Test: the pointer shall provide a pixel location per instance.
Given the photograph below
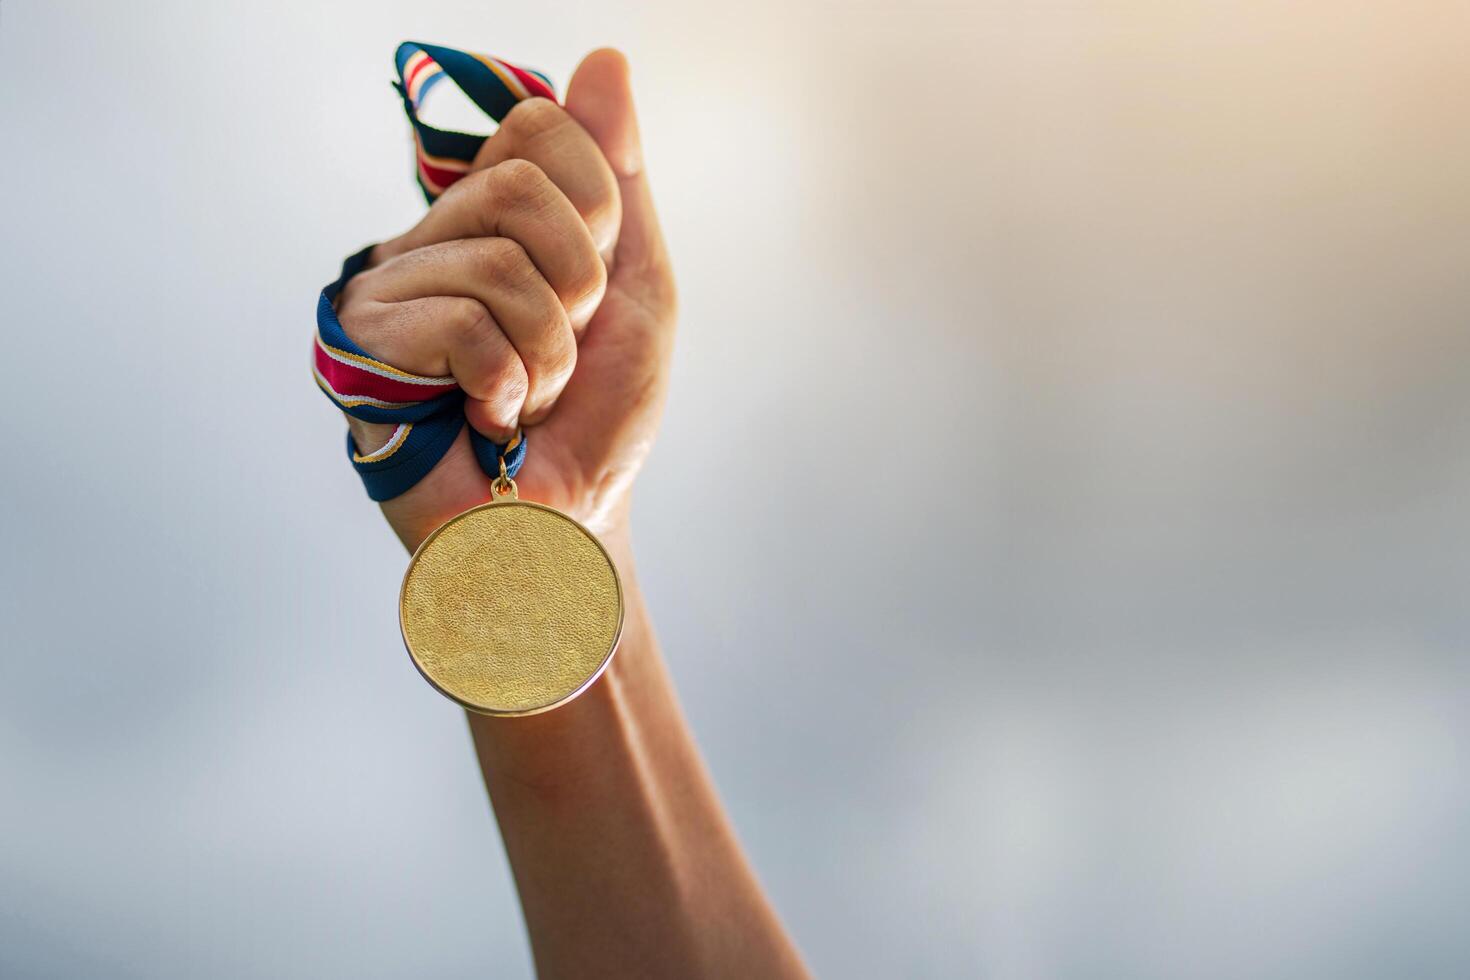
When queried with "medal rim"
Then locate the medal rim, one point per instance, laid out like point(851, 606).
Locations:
point(517, 712)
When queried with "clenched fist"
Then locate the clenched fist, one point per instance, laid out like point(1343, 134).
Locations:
point(541, 283)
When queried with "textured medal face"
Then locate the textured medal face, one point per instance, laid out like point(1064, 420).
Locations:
point(511, 608)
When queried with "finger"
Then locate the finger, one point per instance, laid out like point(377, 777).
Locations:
point(499, 274)
point(446, 335)
point(516, 200)
point(542, 132)
point(600, 97)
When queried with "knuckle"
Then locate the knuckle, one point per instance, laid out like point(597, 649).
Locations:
point(467, 319)
point(507, 264)
point(365, 291)
point(583, 296)
point(535, 117)
point(604, 214)
point(508, 386)
point(473, 191)
point(595, 283)
point(363, 318)
point(518, 180)
point(555, 355)
point(499, 381)
point(352, 303)
point(561, 359)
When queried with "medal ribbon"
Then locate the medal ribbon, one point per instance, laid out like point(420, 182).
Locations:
point(428, 412)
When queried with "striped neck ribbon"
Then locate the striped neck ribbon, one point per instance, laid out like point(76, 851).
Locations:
point(493, 85)
point(428, 413)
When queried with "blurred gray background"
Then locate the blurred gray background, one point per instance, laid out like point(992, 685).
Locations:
point(1058, 531)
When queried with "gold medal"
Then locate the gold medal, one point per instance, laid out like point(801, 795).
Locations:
point(511, 608)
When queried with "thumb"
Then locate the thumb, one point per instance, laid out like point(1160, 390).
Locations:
point(600, 97)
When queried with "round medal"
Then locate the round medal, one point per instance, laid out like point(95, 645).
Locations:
point(511, 608)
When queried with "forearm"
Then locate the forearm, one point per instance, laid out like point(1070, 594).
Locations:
point(622, 856)
point(540, 283)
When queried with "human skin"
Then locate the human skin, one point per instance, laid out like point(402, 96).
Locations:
point(541, 282)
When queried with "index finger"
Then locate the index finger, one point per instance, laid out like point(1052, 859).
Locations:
point(547, 135)
point(516, 200)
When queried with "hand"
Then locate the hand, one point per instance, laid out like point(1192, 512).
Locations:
point(540, 281)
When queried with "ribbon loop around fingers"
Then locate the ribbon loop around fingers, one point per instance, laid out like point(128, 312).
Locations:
point(428, 412)
point(495, 86)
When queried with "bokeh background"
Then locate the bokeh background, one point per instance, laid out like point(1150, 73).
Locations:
point(1058, 532)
